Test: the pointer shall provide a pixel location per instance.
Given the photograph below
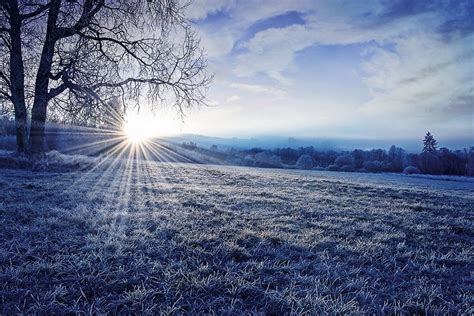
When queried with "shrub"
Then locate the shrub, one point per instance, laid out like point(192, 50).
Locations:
point(347, 168)
point(304, 162)
point(266, 160)
point(189, 145)
point(411, 170)
point(249, 161)
point(332, 168)
point(236, 161)
point(276, 161)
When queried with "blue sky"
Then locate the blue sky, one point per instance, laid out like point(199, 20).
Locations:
point(337, 69)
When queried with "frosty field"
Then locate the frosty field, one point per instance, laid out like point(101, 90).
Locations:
point(146, 237)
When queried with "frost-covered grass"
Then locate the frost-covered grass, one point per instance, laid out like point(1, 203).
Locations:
point(145, 237)
point(49, 161)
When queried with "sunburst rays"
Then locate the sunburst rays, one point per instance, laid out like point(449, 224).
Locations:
point(122, 169)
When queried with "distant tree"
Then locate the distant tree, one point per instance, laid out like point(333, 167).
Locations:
point(452, 162)
point(344, 160)
point(429, 143)
point(373, 166)
point(304, 162)
point(377, 154)
point(396, 158)
point(413, 160)
point(73, 56)
point(254, 150)
point(359, 158)
point(213, 147)
point(430, 163)
point(289, 155)
point(470, 162)
point(189, 145)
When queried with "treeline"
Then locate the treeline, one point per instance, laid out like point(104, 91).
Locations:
point(430, 161)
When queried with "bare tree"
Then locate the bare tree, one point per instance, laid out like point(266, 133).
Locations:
point(71, 57)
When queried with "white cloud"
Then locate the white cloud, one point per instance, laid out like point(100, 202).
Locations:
point(271, 51)
point(232, 98)
point(240, 15)
point(213, 103)
point(202, 8)
point(273, 92)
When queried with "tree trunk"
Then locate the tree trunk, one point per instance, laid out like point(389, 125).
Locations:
point(38, 120)
point(17, 78)
point(38, 113)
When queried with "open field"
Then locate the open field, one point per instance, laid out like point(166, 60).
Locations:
point(148, 237)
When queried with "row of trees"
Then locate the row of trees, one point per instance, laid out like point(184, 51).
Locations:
point(430, 161)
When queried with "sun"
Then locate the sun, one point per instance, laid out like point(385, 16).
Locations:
point(138, 128)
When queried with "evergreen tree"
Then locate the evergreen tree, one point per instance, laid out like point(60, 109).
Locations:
point(429, 143)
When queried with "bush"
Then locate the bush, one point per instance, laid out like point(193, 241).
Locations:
point(304, 162)
point(189, 145)
point(332, 168)
point(411, 170)
point(267, 160)
point(344, 160)
point(7, 127)
point(249, 161)
point(8, 142)
point(235, 161)
point(50, 161)
point(347, 168)
point(276, 161)
point(373, 166)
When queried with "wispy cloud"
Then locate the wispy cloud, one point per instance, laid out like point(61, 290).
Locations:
point(260, 89)
point(232, 98)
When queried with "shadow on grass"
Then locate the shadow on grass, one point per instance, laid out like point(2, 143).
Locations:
point(143, 237)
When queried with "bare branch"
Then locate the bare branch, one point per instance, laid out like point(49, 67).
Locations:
point(41, 9)
point(88, 13)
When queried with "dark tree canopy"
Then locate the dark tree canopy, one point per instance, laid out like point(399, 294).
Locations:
point(71, 59)
point(430, 144)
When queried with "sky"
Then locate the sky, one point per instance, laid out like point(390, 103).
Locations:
point(335, 69)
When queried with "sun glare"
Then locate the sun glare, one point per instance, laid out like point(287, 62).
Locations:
point(139, 128)
point(145, 125)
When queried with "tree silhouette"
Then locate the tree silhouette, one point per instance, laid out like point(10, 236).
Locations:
point(429, 143)
point(73, 56)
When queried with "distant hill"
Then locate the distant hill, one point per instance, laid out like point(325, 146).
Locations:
point(270, 142)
